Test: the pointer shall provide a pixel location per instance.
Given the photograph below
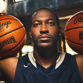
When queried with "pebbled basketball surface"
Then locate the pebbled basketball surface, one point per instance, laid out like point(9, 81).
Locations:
point(12, 35)
point(74, 32)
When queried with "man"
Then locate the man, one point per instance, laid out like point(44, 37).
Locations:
point(46, 64)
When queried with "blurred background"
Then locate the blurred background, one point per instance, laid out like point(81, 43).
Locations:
point(23, 9)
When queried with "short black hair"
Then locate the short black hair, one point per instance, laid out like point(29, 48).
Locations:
point(57, 18)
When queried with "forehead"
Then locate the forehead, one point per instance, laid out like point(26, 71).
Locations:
point(43, 13)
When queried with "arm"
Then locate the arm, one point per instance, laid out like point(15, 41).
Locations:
point(1, 77)
point(8, 68)
point(79, 60)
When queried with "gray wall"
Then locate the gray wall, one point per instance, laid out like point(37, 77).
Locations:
point(27, 7)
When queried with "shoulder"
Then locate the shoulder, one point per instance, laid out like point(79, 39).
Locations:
point(79, 60)
point(8, 61)
point(76, 62)
point(8, 67)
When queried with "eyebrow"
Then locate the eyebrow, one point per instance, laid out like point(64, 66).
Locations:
point(51, 19)
point(46, 20)
point(35, 21)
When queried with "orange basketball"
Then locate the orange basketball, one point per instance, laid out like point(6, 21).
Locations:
point(12, 35)
point(74, 32)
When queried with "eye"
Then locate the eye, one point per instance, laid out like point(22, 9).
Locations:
point(50, 23)
point(36, 24)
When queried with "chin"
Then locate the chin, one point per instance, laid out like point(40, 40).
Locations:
point(44, 45)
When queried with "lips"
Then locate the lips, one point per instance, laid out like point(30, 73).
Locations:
point(44, 38)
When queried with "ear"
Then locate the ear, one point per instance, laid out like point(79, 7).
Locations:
point(30, 32)
point(60, 29)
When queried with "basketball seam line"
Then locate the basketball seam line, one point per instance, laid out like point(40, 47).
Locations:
point(73, 42)
point(74, 16)
point(11, 31)
point(73, 28)
point(8, 18)
point(15, 46)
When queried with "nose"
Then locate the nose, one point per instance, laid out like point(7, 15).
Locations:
point(44, 29)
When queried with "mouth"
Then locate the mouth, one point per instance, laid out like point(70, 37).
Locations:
point(44, 38)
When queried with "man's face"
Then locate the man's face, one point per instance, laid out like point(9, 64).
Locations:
point(44, 29)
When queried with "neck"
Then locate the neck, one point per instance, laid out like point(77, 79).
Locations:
point(46, 57)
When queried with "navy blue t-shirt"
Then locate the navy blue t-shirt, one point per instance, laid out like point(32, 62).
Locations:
point(66, 72)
